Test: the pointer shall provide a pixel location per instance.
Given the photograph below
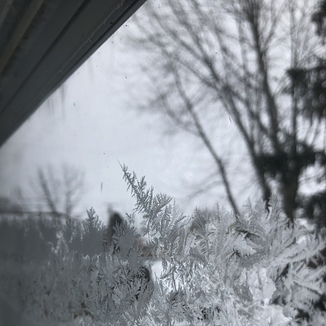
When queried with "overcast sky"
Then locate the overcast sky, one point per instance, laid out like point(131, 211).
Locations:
point(92, 123)
point(87, 124)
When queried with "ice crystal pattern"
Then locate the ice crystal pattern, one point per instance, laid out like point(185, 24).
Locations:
point(217, 268)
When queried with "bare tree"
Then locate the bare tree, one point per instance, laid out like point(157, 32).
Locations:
point(60, 191)
point(238, 59)
point(319, 19)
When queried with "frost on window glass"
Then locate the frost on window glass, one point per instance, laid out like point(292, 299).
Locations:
point(221, 106)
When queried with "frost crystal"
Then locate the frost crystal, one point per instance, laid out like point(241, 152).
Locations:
point(217, 269)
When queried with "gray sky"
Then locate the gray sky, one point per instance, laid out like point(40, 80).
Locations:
point(92, 123)
point(87, 124)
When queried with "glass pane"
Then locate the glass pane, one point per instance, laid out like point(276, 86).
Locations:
point(220, 105)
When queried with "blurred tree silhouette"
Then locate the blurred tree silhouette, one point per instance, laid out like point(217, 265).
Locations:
point(60, 191)
point(254, 62)
point(319, 18)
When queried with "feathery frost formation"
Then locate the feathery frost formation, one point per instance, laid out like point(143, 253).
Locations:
point(217, 269)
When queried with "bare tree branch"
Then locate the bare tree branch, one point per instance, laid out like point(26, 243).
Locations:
point(234, 57)
point(59, 191)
